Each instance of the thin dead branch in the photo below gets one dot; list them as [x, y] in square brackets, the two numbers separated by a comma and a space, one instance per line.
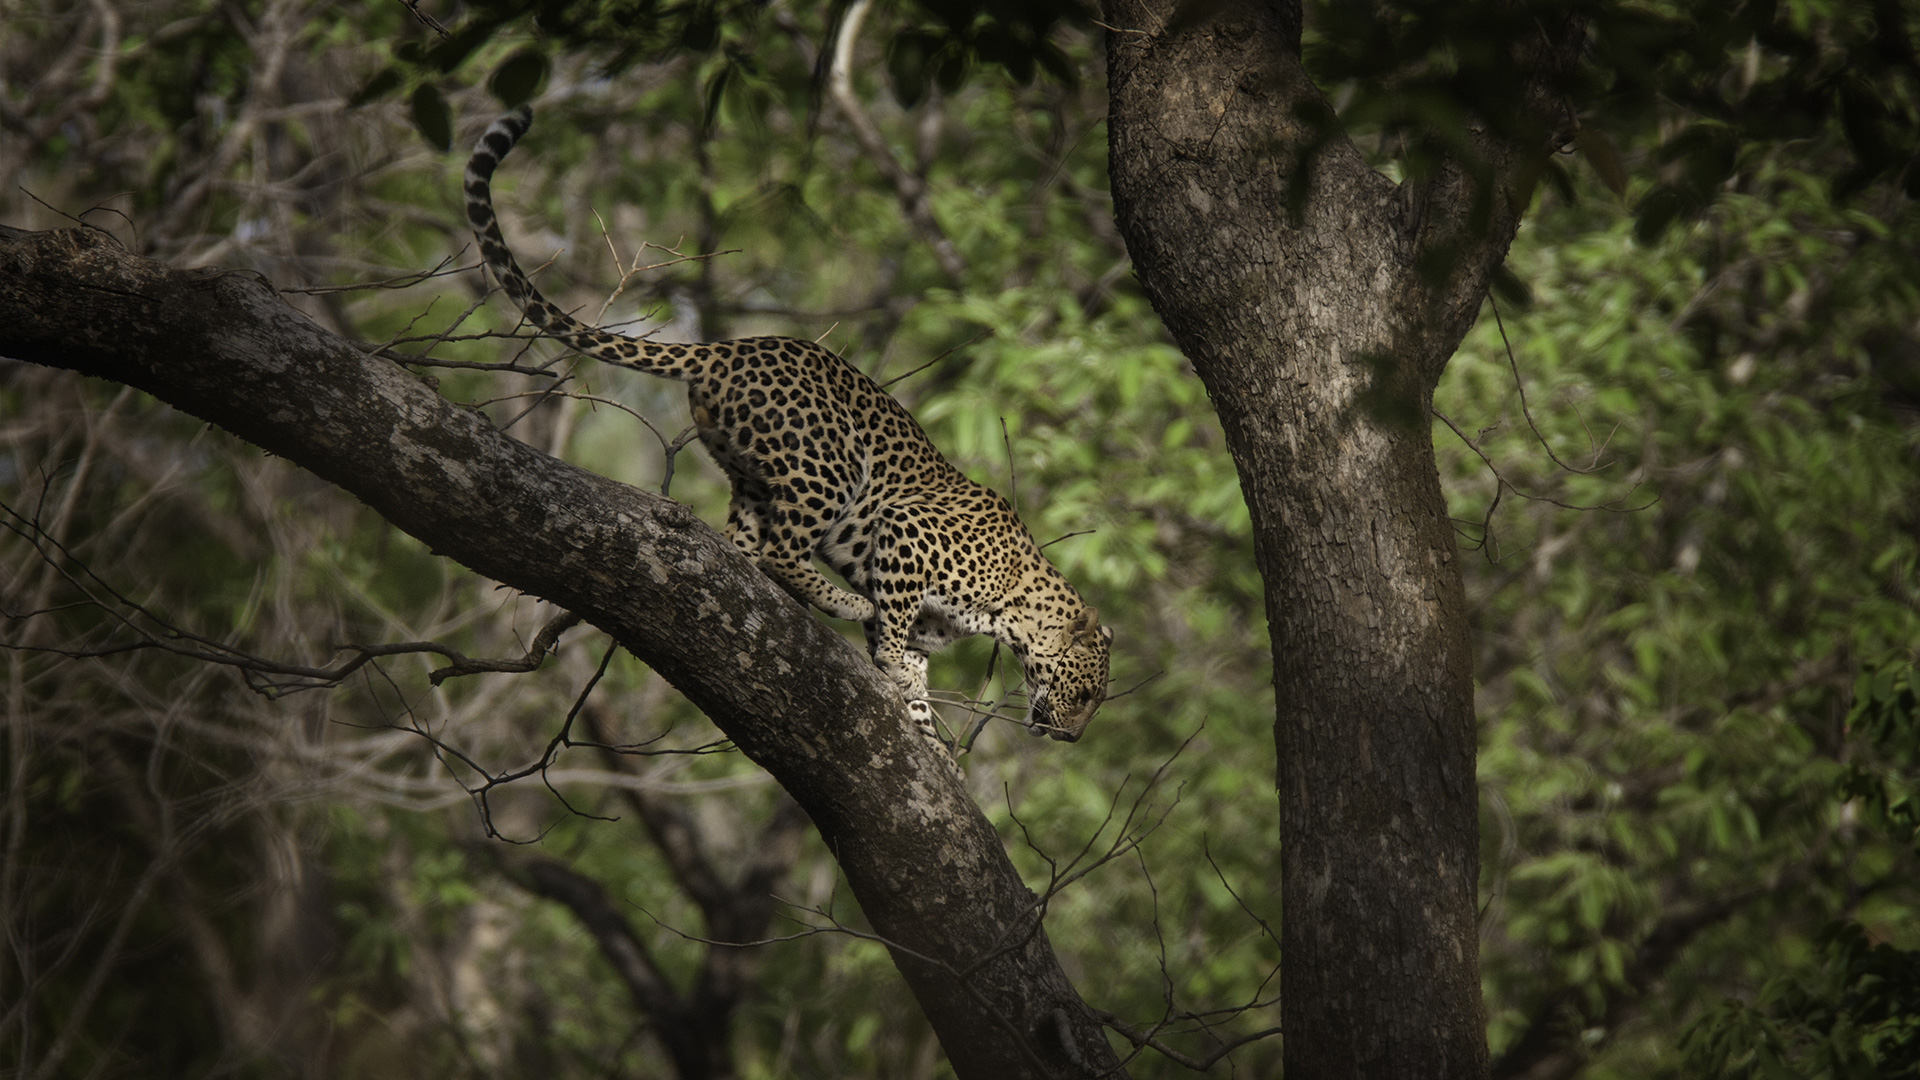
[1521, 385]
[1148, 1041]
[1503, 485]
[909, 374]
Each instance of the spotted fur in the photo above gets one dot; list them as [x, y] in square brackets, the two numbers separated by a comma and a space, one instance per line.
[825, 464]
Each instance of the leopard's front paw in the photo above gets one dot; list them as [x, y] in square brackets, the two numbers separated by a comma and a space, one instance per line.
[920, 712]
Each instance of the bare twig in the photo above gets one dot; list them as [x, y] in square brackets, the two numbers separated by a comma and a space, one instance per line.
[1503, 485]
[835, 926]
[937, 359]
[631, 270]
[425, 19]
[543, 643]
[1521, 385]
[481, 793]
[403, 281]
[470, 365]
[1146, 1040]
[1067, 536]
[1013, 474]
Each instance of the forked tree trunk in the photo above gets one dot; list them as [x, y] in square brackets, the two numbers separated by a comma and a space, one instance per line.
[1289, 273]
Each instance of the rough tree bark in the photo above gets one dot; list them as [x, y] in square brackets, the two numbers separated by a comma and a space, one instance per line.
[927, 868]
[1319, 302]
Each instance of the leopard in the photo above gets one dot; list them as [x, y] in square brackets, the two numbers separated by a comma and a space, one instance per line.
[824, 464]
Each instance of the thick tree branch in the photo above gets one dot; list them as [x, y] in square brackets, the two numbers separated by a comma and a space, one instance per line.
[792, 693]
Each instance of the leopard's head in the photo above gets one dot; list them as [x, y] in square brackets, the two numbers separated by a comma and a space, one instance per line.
[1066, 685]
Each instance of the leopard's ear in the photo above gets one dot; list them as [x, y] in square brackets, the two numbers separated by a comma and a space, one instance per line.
[1085, 627]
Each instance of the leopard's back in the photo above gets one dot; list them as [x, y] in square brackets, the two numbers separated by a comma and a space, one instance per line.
[812, 442]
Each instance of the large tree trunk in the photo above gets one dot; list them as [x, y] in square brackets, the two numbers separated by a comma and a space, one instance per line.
[928, 870]
[1291, 274]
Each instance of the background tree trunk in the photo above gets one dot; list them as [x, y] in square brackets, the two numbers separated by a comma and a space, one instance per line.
[1290, 273]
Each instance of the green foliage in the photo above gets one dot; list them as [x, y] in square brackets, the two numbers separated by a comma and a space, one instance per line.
[1703, 86]
[516, 79]
[952, 37]
[1673, 744]
[1857, 1013]
[1887, 715]
[1859, 1016]
[942, 43]
[432, 117]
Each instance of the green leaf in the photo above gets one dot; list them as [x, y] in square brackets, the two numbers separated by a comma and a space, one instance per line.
[1508, 287]
[702, 31]
[861, 1033]
[1604, 157]
[995, 45]
[432, 118]
[1884, 687]
[385, 82]
[716, 90]
[954, 68]
[1656, 212]
[907, 68]
[1056, 63]
[515, 81]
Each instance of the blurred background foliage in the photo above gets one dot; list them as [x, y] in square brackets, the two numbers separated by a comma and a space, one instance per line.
[1682, 460]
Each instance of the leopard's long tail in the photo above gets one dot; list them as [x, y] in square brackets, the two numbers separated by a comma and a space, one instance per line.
[670, 361]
